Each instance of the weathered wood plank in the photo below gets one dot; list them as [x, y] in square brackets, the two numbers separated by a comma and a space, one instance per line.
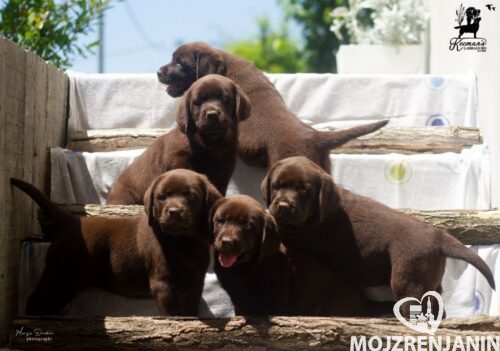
[24, 147]
[13, 99]
[113, 139]
[29, 130]
[407, 140]
[39, 157]
[5, 310]
[56, 103]
[411, 140]
[471, 227]
[237, 333]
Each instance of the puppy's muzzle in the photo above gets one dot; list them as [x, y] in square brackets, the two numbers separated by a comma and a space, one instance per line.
[175, 219]
[285, 209]
[228, 250]
[213, 124]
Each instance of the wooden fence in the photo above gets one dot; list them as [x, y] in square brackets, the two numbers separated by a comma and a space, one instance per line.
[33, 100]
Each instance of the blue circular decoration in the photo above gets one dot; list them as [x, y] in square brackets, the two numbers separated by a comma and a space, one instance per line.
[437, 121]
[436, 82]
[478, 302]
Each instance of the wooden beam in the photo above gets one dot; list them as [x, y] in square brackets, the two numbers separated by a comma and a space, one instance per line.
[412, 140]
[113, 139]
[407, 140]
[471, 227]
[237, 333]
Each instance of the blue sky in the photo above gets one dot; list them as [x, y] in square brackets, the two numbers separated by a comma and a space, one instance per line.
[140, 36]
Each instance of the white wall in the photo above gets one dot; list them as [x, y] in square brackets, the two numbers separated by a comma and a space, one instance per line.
[486, 65]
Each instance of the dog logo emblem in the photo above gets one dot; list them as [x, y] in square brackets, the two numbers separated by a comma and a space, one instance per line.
[468, 22]
[422, 313]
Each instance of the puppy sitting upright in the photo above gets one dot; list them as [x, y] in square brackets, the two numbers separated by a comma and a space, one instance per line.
[262, 277]
[365, 241]
[205, 140]
[163, 253]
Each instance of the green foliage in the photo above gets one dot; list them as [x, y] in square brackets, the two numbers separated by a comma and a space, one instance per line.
[50, 28]
[272, 51]
[314, 17]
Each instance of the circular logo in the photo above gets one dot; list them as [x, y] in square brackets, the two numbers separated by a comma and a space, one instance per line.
[478, 302]
[436, 82]
[398, 172]
[437, 121]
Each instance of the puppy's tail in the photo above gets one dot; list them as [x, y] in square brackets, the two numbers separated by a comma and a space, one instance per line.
[453, 248]
[335, 138]
[52, 213]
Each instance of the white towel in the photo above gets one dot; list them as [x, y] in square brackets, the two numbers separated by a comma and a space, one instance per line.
[109, 101]
[422, 181]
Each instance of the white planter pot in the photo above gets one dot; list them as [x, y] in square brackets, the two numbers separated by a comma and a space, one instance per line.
[406, 59]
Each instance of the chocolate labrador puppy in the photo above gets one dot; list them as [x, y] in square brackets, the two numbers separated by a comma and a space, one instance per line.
[361, 239]
[262, 277]
[205, 140]
[163, 253]
[273, 132]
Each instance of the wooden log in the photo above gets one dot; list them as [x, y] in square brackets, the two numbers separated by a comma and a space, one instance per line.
[408, 140]
[412, 140]
[113, 139]
[237, 333]
[471, 227]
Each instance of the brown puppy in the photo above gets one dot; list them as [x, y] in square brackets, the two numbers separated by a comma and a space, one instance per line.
[361, 239]
[262, 277]
[273, 132]
[205, 141]
[163, 253]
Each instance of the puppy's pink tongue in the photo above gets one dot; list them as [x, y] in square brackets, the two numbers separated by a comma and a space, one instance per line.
[227, 261]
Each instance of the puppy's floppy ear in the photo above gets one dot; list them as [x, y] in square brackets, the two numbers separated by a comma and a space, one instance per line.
[265, 189]
[265, 186]
[270, 237]
[243, 107]
[184, 115]
[211, 193]
[329, 199]
[209, 63]
[149, 200]
[211, 214]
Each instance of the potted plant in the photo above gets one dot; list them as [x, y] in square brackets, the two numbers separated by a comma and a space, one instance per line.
[386, 36]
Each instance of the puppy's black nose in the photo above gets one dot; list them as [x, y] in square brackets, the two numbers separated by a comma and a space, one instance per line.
[226, 242]
[282, 205]
[158, 73]
[284, 208]
[174, 211]
[212, 115]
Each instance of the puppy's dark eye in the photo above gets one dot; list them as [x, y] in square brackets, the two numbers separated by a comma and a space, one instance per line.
[189, 195]
[197, 103]
[162, 197]
[276, 186]
[225, 98]
[220, 220]
[302, 190]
